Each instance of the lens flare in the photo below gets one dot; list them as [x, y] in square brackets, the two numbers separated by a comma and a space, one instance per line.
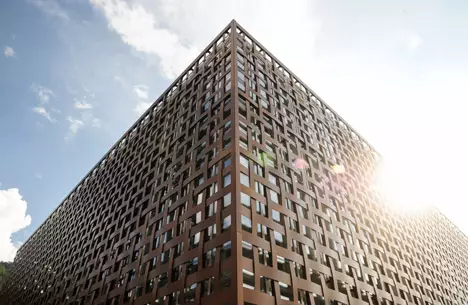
[300, 163]
[338, 169]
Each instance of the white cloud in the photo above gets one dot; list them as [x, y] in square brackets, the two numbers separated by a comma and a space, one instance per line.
[51, 8]
[44, 94]
[140, 29]
[141, 91]
[13, 218]
[42, 111]
[9, 52]
[82, 105]
[77, 123]
[74, 124]
[38, 176]
[141, 107]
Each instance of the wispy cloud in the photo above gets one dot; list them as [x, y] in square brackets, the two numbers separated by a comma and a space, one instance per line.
[44, 94]
[38, 176]
[77, 123]
[51, 8]
[8, 51]
[42, 111]
[82, 105]
[138, 28]
[141, 91]
[141, 107]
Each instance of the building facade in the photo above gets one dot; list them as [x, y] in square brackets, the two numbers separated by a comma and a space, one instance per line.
[238, 186]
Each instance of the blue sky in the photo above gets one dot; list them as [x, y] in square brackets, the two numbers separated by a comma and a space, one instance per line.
[75, 74]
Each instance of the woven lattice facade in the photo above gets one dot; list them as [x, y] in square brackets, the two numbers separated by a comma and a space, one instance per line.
[238, 186]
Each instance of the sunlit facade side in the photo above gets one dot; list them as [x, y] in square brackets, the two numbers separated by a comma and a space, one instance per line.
[238, 186]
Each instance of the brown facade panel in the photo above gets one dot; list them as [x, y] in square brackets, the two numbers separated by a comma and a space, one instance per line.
[238, 186]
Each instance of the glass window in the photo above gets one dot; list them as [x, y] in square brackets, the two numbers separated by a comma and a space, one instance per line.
[245, 180]
[227, 180]
[266, 285]
[226, 251]
[286, 292]
[247, 250]
[209, 258]
[226, 223]
[248, 279]
[227, 200]
[244, 161]
[246, 223]
[276, 215]
[280, 240]
[272, 178]
[225, 279]
[192, 265]
[207, 286]
[245, 199]
[189, 293]
[274, 196]
[283, 264]
[264, 257]
[226, 162]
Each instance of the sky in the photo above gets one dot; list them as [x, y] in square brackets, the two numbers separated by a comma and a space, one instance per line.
[75, 74]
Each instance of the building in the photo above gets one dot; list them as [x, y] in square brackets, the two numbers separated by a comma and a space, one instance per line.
[238, 186]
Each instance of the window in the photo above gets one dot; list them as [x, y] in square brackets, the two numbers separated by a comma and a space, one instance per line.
[226, 223]
[149, 286]
[192, 265]
[264, 257]
[286, 292]
[261, 208]
[247, 250]
[210, 232]
[227, 200]
[283, 264]
[165, 256]
[273, 179]
[304, 298]
[259, 170]
[246, 224]
[280, 239]
[196, 218]
[244, 161]
[259, 188]
[248, 279]
[189, 293]
[226, 162]
[131, 275]
[209, 258]
[162, 280]
[267, 286]
[194, 240]
[227, 180]
[263, 232]
[245, 199]
[276, 215]
[176, 272]
[244, 179]
[226, 251]
[199, 198]
[274, 196]
[225, 279]
[211, 209]
[207, 286]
